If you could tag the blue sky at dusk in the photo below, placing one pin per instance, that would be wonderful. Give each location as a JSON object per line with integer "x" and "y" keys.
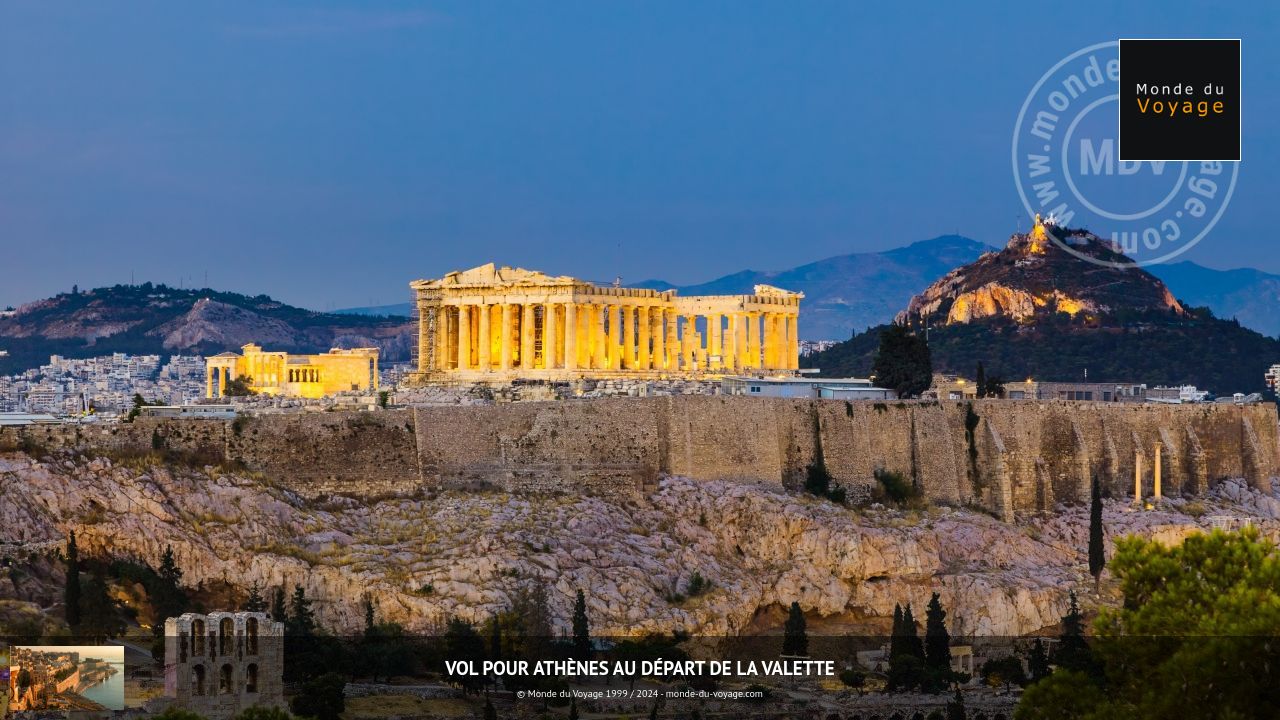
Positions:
{"x": 327, "y": 154}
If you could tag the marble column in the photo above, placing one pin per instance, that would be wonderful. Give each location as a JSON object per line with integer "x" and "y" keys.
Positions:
{"x": 792, "y": 341}
{"x": 658, "y": 328}
{"x": 485, "y": 344}
{"x": 628, "y": 337}
{"x": 730, "y": 345}
{"x": 614, "y": 360}
{"x": 642, "y": 341}
{"x": 464, "y": 337}
{"x": 550, "y": 341}
{"x": 444, "y": 338}
{"x": 527, "y": 323}
{"x": 769, "y": 340}
{"x": 599, "y": 341}
{"x": 505, "y": 339}
{"x": 673, "y": 340}
{"x": 424, "y": 320}
{"x": 570, "y": 336}
{"x": 208, "y": 381}
{"x": 753, "y": 340}
{"x": 715, "y": 344}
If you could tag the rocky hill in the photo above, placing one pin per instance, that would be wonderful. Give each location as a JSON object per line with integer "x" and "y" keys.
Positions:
{"x": 1033, "y": 309}
{"x": 464, "y": 554}
{"x": 155, "y": 319}
{"x": 1034, "y": 278}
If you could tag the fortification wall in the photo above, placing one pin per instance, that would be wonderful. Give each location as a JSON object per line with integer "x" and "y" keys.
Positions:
{"x": 1009, "y": 456}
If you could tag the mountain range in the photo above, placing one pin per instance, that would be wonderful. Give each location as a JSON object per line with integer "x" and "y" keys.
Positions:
{"x": 847, "y": 293}
{"x": 1036, "y": 309}
{"x": 156, "y": 319}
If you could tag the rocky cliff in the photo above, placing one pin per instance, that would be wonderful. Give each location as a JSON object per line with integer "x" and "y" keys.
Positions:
{"x": 458, "y": 553}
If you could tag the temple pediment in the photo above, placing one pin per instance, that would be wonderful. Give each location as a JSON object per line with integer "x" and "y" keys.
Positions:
{"x": 490, "y": 275}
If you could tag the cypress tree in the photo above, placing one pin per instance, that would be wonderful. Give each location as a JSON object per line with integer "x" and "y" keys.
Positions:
{"x": 937, "y": 645}
{"x": 955, "y": 708}
{"x": 368, "y": 616}
{"x": 1038, "y": 662}
{"x": 489, "y": 712}
{"x": 895, "y": 639}
{"x": 278, "y": 612}
{"x": 795, "y": 641}
{"x": 255, "y": 602}
{"x": 1097, "y": 554}
{"x": 573, "y": 709}
{"x": 71, "y": 597}
{"x": 911, "y": 634}
{"x": 581, "y": 629}
{"x": 981, "y": 381}
{"x": 302, "y": 621}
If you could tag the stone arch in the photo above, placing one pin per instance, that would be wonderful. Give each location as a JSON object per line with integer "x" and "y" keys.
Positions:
{"x": 226, "y": 680}
{"x": 197, "y": 637}
{"x": 251, "y": 678}
{"x": 198, "y": 686}
{"x": 226, "y": 636}
{"x": 251, "y": 636}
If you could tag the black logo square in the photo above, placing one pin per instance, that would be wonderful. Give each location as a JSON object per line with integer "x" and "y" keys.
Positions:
{"x": 1179, "y": 99}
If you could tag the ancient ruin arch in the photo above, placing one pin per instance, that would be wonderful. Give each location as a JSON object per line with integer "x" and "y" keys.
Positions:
{"x": 197, "y": 680}
{"x": 251, "y": 636}
{"x": 226, "y": 636}
{"x": 251, "y": 678}
{"x": 197, "y": 638}
{"x": 226, "y": 680}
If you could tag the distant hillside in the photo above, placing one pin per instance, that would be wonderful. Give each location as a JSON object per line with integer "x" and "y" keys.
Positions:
{"x": 156, "y": 319}
{"x": 395, "y": 310}
{"x": 1248, "y": 295}
{"x": 1034, "y": 310}
{"x": 848, "y": 292}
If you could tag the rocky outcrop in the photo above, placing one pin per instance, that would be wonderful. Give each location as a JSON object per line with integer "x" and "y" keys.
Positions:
{"x": 464, "y": 554}
{"x": 1035, "y": 275}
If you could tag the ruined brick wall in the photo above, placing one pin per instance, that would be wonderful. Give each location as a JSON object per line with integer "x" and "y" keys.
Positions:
{"x": 1008, "y": 456}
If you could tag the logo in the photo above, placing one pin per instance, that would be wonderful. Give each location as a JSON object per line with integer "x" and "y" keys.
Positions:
{"x": 1067, "y": 167}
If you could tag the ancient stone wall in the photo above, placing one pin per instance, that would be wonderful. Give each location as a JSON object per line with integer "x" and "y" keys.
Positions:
{"x": 1008, "y": 456}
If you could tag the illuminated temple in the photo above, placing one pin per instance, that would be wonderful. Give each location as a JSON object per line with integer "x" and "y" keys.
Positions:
{"x": 501, "y": 324}
{"x": 271, "y": 372}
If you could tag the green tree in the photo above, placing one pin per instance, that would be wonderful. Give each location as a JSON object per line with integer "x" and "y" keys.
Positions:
{"x": 795, "y": 639}
{"x": 71, "y": 595}
{"x": 1193, "y": 638}
{"x": 463, "y": 643}
{"x": 1037, "y": 662}
{"x": 581, "y": 629}
{"x": 99, "y": 620}
{"x": 937, "y": 646}
{"x": 490, "y": 713}
{"x": 573, "y": 709}
{"x": 255, "y": 602}
{"x": 278, "y": 611}
{"x": 955, "y": 708}
{"x": 906, "y": 654}
{"x": 1097, "y": 551}
{"x": 321, "y": 698}
{"x": 301, "y": 620}
{"x": 1073, "y": 652}
{"x": 240, "y": 386}
{"x": 903, "y": 363}
{"x": 980, "y": 381}
{"x": 1004, "y": 671}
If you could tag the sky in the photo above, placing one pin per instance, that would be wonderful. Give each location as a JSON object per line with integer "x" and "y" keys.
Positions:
{"x": 329, "y": 153}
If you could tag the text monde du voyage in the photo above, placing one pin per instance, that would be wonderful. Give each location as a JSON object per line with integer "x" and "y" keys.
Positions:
{"x": 1179, "y": 99}
{"x": 642, "y": 668}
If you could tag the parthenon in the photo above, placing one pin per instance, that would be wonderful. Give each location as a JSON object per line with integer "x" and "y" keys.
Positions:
{"x": 497, "y": 324}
